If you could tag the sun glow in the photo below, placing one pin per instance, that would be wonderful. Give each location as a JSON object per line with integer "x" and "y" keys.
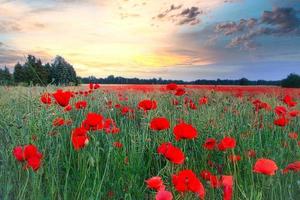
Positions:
{"x": 111, "y": 34}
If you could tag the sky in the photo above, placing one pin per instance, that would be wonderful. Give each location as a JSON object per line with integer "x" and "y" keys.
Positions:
{"x": 171, "y": 39}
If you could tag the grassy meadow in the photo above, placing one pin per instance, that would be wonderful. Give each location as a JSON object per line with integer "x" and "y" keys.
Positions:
{"x": 104, "y": 170}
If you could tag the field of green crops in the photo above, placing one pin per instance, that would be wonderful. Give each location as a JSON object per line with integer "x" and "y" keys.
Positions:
{"x": 115, "y": 159}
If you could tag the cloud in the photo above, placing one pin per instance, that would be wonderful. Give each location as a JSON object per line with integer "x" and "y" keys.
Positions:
{"x": 228, "y": 28}
{"x": 127, "y": 15}
{"x": 278, "y": 22}
{"x": 190, "y": 16}
{"x": 185, "y": 16}
{"x": 7, "y": 26}
{"x": 285, "y": 20}
{"x": 9, "y": 57}
{"x": 166, "y": 12}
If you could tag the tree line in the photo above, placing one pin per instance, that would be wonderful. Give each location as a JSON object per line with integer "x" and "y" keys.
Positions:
{"x": 293, "y": 80}
{"x": 34, "y": 72}
{"x": 60, "y": 72}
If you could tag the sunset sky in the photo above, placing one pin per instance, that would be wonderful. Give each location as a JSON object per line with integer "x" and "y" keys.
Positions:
{"x": 187, "y": 39}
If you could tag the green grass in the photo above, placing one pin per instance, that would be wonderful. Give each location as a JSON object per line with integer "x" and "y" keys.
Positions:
{"x": 100, "y": 169}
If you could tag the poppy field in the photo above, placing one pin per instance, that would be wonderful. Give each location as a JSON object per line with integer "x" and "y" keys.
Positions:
{"x": 163, "y": 142}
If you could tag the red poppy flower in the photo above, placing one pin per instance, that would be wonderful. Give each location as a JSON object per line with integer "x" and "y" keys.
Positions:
{"x": 109, "y": 104}
{"x": 96, "y": 86}
{"x": 203, "y": 100}
{"x": 80, "y": 105}
{"x": 265, "y": 166}
{"x": 163, "y": 195}
{"x": 280, "y": 110}
{"x": 171, "y": 86}
{"x": 46, "y": 98}
{"x": 147, "y": 105}
{"x": 113, "y": 130}
{"x": 34, "y": 163}
{"x": 68, "y": 108}
{"x": 91, "y": 86}
{"x": 18, "y": 153}
{"x": 214, "y": 181}
{"x": 251, "y": 153}
{"x": 192, "y": 106}
{"x": 94, "y": 120}
{"x": 110, "y": 126}
{"x": 172, "y": 153}
{"x": 62, "y": 98}
{"x": 205, "y": 174}
{"x": 227, "y": 183}
{"x": 159, "y": 123}
{"x": 184, "y": 131}
{"x": 294, "y": 113}
{"x": 261, "y": 105}
{"x": 295, "y": 166}
{"x": 289, "y": 101}
{"x": 118, "y": 144}
{"x": 29, "y": 153}
{"x": 186, "y": 180}
{"x": 179, "y": 92}
{"x": 58, "y": 122}
{"x": 79, "y": 138}
{"x": 293, "y": 135}
{"x": 209, "y": 144}
{"x": 234, "y": 158}
{"x": 155, "y": 183}
{"x": 175, "y": 102}
{"x": 282, "y": 121}
{"x": 126, "y": 109}
{"x": 227, "y": 143}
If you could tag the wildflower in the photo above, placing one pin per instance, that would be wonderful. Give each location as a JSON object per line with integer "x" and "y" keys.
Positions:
{"x": 62, "y": 98}
{"x": 147, "y": 105}
{"x": 172, "y": 153}
{"x": 186, "y": 180}
{"x": 79, "y": 138}
{"x": 265, "y": 166}
{"x": 46, "y": 98}
{"x": 159, "y": 123}
{"x": 209, "y": 144}
{"x": 184, "y": 131}
{"x": 227, "y": 143}
{"x": 155, "y": 183}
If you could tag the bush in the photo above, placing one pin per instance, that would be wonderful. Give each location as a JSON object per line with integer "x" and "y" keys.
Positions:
{"x": 292, "y": 81}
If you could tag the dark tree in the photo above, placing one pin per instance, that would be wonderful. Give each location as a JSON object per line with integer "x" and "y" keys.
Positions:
{"x": 244, "y": 81}
{"x": 19, "y": 73}
{"x": 292, "y": 81}
{"x": 5, "y": 76}
{"x": 62, "y": 72}
{"x": 48, "y": 69}
{"x": 35, "y": 72}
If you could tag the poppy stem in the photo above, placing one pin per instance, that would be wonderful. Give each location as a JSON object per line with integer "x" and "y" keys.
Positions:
{"x": 24, "y": 188}
{"x": 104, "y": 173}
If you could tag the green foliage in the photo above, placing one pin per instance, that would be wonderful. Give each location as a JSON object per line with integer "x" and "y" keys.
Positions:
{"x": 19, "y": 73}
{"x": 34, "y": 72}
{"x": 292, "y": 81}
{"x": 5, "y": 77}
{"x": 62, "y": 72}
{"x": 244, "y": 81}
